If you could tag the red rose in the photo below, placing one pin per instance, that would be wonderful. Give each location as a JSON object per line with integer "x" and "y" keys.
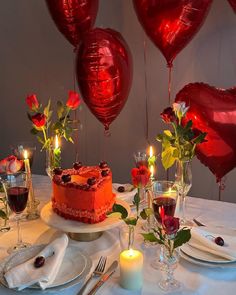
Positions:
{"x": 73, "y": 100}
{"x": 140, "y": 176}
{"x": 170, "y": 224}
{"x": 168, "y": 115}
{"x": 39, "y": 120}
{"x": 32, "y": 101}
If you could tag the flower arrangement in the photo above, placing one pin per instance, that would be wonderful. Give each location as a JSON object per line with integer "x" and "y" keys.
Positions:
{"x": 169, "y": 234}
{"x": 140, "y": 178}
{"x": 41, "y": 118}
{"x": 180, "y": 142}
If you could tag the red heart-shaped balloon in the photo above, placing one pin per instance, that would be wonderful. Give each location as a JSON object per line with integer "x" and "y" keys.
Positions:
{"x": 233, "y": 4}
{"x": 73, "y": 17}
{"x": 104, "y": 73}
{"x": 213, "y": 110}
{"x": 171, "y": 24}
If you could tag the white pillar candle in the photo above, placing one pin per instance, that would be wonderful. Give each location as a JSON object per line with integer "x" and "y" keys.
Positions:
{"x": 131, "y": 267}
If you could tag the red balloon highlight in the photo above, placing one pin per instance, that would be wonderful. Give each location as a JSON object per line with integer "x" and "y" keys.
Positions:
{"x": 171, "y": 24}
{"x": 104, "y": 73}
{"x": 73, "y": 18}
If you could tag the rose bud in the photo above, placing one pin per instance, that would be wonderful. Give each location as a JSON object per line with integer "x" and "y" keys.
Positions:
{"x": 170, "y": 225}
{"x": 39, "y": 120}
{"x": 168, "y": 115}
{"x": 73, "y": 100}
{"x": 32, "y": 102}
{"x": 140, "y": 176}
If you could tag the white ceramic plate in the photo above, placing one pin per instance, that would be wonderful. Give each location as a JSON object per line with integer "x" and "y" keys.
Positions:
{"x": 66, "y": 225}
{"x": 127, "y": 195}
{"x": 75, "y": 266}
{"x": 206, "y": 264}
{"x": 205, "y": 256}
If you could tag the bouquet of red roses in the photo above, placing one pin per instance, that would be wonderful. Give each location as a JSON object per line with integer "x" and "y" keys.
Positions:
{"x": 41, "y": 118}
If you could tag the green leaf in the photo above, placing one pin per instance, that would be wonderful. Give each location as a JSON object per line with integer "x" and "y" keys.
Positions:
{"x": 47, "y": 109}
{"x": 136, "y": 201}
{"x": 151, "y": 238}
{"x": 189, "y": 124}
{"x": 34, "y": 131}
{"x": 145, "y": 213}
{"x": 131, "y": 221}
{"x": 159, "y": 137}
{"x": 152, "y": 160}
{"x": 182, "y": 237}
{"x": 60, "y": 109}
{"x": 119, "y": 208}
{"x": 3, "y": 215}
{"x": 200, "y": 138}
{"x": 57, "y": 126}
{"x": 167, "y": 156}
{"x": 167, "y": 133}
{"x": 40, "y": 139}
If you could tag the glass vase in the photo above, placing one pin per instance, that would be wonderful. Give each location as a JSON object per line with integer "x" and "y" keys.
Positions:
{"x": 127, "y": 237}
{"x": 183, "y": 180}
{"x": 169, "y": 262}
{"x": 49, "y": 161}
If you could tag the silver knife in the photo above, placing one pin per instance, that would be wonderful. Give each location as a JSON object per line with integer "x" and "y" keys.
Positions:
{"x": 111, "y": 269}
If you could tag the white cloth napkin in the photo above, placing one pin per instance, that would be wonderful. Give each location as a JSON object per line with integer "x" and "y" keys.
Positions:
{"x": 202, "y": 240}
{"x": 25, "y": 274}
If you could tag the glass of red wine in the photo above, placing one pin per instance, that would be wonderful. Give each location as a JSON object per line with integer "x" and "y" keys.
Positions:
{"x": 16, "y": 187}
{"x": 164, "y": 201}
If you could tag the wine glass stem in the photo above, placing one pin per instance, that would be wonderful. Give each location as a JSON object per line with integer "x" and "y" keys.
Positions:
{"x": 19, "y": 238}
{"x": 182, "y": 207}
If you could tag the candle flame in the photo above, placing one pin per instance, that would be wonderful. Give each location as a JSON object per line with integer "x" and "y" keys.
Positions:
{"x": 56, "y": 142}
{"x": 25, "y": 154}
{"x": 150, "y": 151}
{"x": 131, "y": 252}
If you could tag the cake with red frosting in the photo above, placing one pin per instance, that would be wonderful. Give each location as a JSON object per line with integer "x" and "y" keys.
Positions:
{"x": 83, "y": 193}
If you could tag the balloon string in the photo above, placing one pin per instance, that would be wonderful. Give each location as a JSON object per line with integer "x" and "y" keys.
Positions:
{"x": 76, "y": 136}
{"x": 169, "y": 83}
{"x": 146, "y": 90}
{"x": 221, "y": 187}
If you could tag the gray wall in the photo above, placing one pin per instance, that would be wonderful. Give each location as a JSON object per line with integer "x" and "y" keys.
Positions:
{"x": 35, "y": 57}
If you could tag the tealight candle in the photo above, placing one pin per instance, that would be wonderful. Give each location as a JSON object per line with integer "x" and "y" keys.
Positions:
{"x": 131, "y": 266}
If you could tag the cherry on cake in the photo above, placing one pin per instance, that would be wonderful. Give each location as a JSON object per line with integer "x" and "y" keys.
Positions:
{"x": 83, "y": 193}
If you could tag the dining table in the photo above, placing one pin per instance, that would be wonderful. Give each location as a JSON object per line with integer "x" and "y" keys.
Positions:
{"x": 195, "y": 278}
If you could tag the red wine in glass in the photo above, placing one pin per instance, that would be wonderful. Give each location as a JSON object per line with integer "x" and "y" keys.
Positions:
{"x": 17, "y": 198}
{"x": 167, "y": 203}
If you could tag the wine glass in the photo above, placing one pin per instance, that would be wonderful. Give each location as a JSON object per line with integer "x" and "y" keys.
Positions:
{"x": 19, "y": 148}
{"x": 16, "y": 187}
{"x": 141, "y": 159}
{"x": 164, "y": 199}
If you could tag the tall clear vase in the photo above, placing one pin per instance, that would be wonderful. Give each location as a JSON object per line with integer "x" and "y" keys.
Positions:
{"x": 183, "y": 180}
{"x": 50, "y": 161}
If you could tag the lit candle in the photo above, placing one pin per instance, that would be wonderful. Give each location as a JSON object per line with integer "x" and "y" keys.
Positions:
{"x": 27, "y": 164}
{"x": 151, "y": 166}
{"x": 57, "y": 153}
{"x": 131, "y": 266}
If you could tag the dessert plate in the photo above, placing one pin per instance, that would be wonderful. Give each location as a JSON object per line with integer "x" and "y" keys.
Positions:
{"x": 127, "y": 195}
{"x": 75, "y": 266}
{"x": 190, "y": 259}
{"x": 66, "y": 225}
{"x": 207, "y": 257}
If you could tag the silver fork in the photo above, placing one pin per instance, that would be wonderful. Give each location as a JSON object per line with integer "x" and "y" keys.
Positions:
{"x": 96, "y": 273}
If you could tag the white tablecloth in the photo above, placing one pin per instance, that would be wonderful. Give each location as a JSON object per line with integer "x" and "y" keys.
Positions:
{"x": 195, "y": 279}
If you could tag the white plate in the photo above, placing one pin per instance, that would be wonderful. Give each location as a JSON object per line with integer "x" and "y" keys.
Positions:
{"x": 206, "y": 264}
{"x": 66, "y": 225}
{"x": 75, "y": 266}
{"x": 127, "y": 195}
{"x": 206, "y": 256}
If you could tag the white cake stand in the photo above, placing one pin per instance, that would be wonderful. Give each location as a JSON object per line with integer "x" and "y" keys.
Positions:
{"x": 78, "y": 230}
